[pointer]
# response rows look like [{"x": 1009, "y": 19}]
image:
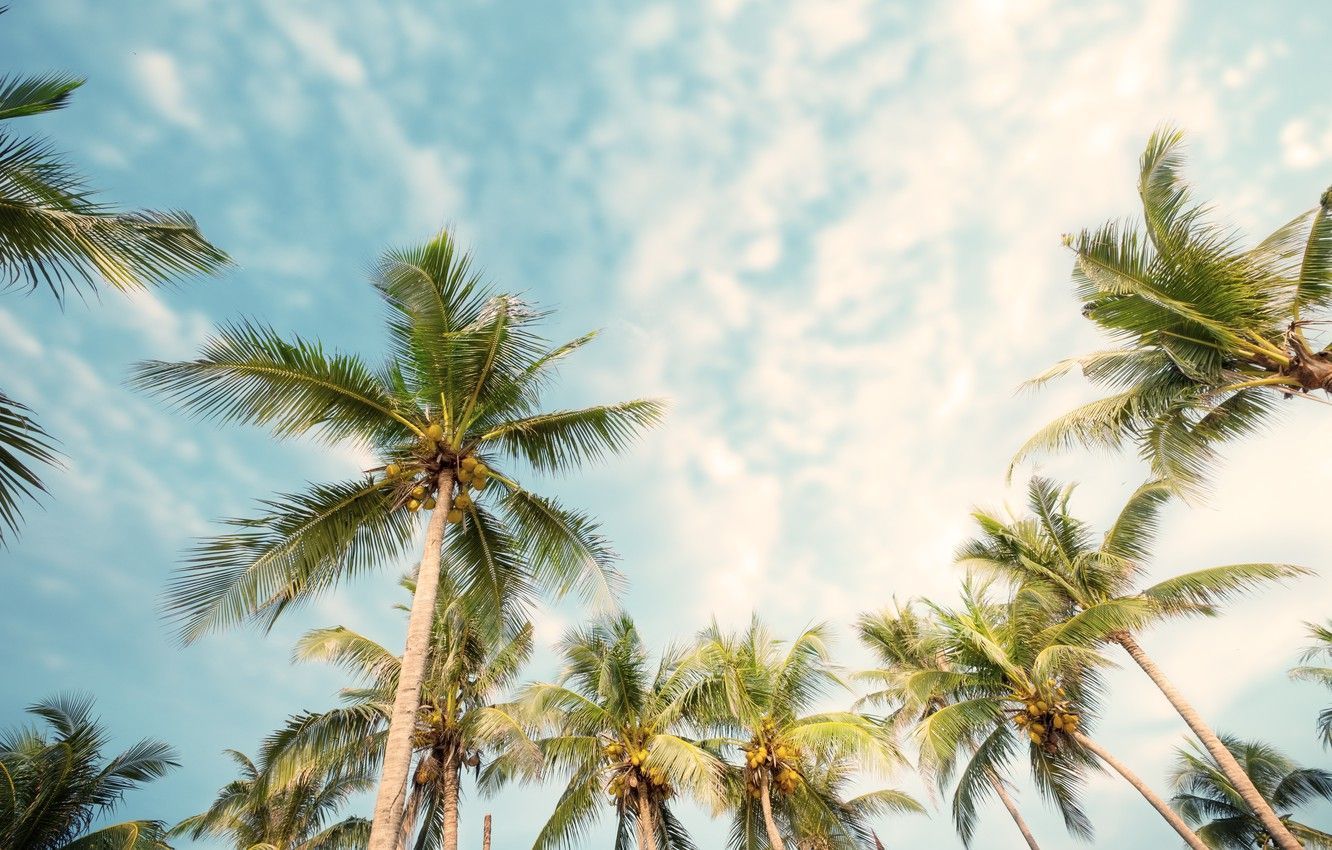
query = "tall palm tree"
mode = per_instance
[
  {"x": 54, "y": 786},
  {"x": 909, "y": 649},
  {"x": 760, "y": 698},
  {"x": 466, "y": 672},
  {"x": 620, "y": 728},
  {"x": 1053, "y": 554},
  {"x": 255, "y": 813},
  {"x": 55, "y": 234},
  {"x": 1210, "y": 334},
  {"x": 1012, "y": 682},
  {"x": 1207, "y": 799},
  {"x": 459, "y": 394},
  {"x": 1320, "y": 650}
]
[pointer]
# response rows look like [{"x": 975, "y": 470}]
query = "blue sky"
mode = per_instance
[{"x": 828, "y": 232}]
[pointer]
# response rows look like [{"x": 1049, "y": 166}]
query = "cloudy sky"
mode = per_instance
[{"x": 828, "y": 232}]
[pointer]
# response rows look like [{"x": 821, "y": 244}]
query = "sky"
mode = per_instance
[{"x": 827, "y": 232}]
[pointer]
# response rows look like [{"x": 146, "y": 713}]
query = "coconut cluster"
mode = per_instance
[
  {"x": 1046, "y": 716},
  {"x": 426, "y": 464},
  {"x": 629, "y": 770},
  {"x": 766, "y": 753}
]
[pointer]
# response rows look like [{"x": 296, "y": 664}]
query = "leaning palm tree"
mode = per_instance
[
  {"x": 459, "y": 395},
  {"x": 620, "y": 728},
  {"x": 466, "y": 672},
  {"x": 760, "y": 700},
  {"x": 255, "y": 813},
  {"x": 910, "y": 651},
  {"x": 1207, "y": 799},
  {"x": 54, "y": 787},
  {"x": 1320, "y": 650},
  {"x": 54, "y": 234},
  {"x": 1052, "y": 554},
  {"x": 1209, "y": 334},
  {"x": 1012, "y": 682}
]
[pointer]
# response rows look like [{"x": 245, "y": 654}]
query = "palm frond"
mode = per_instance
[
  {"x": 22, "y": 96},
  {"x": 23, "y": 443}
]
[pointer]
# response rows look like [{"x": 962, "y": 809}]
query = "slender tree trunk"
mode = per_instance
[
  {"x": 765, "y": 800},
  {"x": 1224, "y": 758},
  {"x": 398, "y": 749},
  {"x": 485, "y": 834},
  {"x": 1009, "y": 803},
  {"x": 452, "y": 771},
  {"x": 1151, "y": 796},
  {"x": 647, "y": 828}
]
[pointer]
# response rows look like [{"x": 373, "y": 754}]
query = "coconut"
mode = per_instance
[
  {"x": 462, "y": 500},
  {"x": 418, "y": 491},
  {"x": 455, "y": 516},
  {"x": 429, "y": 504},
  {"x": 413, "y": 504},
  {"x": 480, "y": 482},
  {"x": 435, "y": 432},
  {"x": 392, "y": 469},
  {"x": 469, "y": 463}
]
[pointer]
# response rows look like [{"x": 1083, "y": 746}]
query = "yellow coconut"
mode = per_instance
[
  {"x": 455, "y": 516},
  {"x": 413, "y": 504},
  {"x": 462, "y": 500},
  {"x": 429, "y": 504},
  {"x": 469, "y": 463},
  {"x": 418, "y": 491},
  {"x": 392, "y": 469},
  {"x": 435, "y": 432}
]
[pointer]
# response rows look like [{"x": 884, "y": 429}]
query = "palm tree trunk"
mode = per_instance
[
  {"x": 765, "y": 800},
  {"x": 1151, "y": 796},
  {"x": 452, "y": 769},
  {"x": 485, "y": 834},
  {"x": 1009, "y": 803},
  {"x": 647, "y": 830},
  {"x": 398, "y": 749},
  {"x": 1224, "y": 759}
]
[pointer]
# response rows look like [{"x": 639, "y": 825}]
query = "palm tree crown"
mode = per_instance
[
  {"x": 55, "y": 787},
  {"x": 54, "y": 234},
  {"x": 467, "y": 670},
  {"x": 1320, "y": 650},
  {"x": 1211, "y": 335},
  {"x": 761, "y": 697},
  {"x": 1208, "y": 800},
  {"x": 255, "y": 812},
  {"x": 460, "y": 392},
  {"x": 619, "y": 727}
]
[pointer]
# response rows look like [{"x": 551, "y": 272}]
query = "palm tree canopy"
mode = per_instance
[
  {"x": 54, "y": 234},
  {"x": 761, "y": 697},
  {"x": 467, "y": 670},
  {"x": 611, "y": 723},
  {"x": 55, "y": 786},
  {"x": 1208, "y": 801},
  {"x": 1319, "y": 651},
  {"x": 1008, "y": 685},
  {"x": 300, "y": 813},
  {"x": 1093, "y": 585},
  {"x": 1209, "y": 335},
  {"x": 464, "y": 381}
]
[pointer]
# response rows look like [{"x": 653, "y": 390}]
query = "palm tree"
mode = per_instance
[
  {"x": 54, "y": 787},
  {"x": 55, "y": 234},
  {"x": 909, "y": 650},
  {"x": 1011, "y": 680},
  {"x": 760, "y": 698},
  {"x": 1094, "y": 584},
  {"x": 466, "y": 671},
  {"x": 1210, "y": 335},
  {"x": 839, "y": 820},
  {"x": 255, "y": 813},
  {"x": 460, "y": 392},
  {"x": 1207, "y": 799},
  {"x": 1321, "y": 650},
  {"x": 620, "y": 729}
]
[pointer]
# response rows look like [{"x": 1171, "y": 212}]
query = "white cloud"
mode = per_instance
[
  {"x": 1302, "y": 147},
  {"x": 319, "y": 45},
  {"x": 159, "y": 78}
]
